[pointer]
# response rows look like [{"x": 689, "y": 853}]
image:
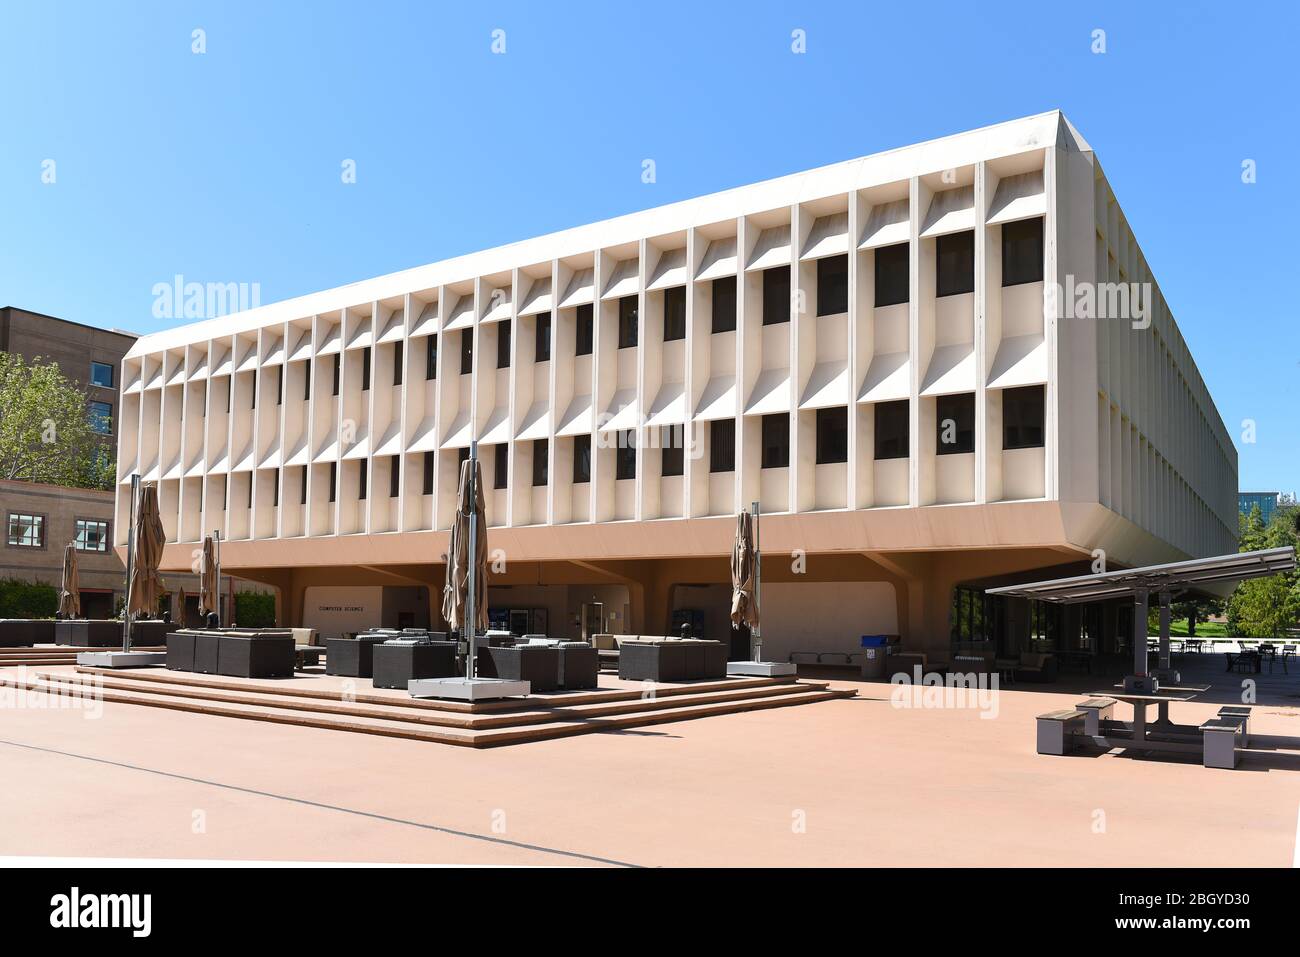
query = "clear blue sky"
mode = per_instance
[{"x": 225, "y": 166}]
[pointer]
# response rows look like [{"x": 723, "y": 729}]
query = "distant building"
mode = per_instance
[
  {"x": 40, "y": 519},
  {"x": 1267, "y": 502}
]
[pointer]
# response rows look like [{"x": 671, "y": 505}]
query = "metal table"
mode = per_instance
[{"x": 1159, "y": 735}]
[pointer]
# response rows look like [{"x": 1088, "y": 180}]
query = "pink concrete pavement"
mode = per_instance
[{"x": 852, "y": 782}]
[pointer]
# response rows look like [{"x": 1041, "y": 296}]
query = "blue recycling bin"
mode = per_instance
[{"x": 874, "y": 649}]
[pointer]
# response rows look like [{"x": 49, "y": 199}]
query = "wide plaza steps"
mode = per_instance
[
  {"x": 515, "y": 721},
  {"x": 51, "y": 655}
]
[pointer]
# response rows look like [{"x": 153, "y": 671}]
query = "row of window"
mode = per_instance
[
  {"x": 1022, "y": 427},
  {"x": 28, "y": 531},
  {"x": 1022, "y": 262}
]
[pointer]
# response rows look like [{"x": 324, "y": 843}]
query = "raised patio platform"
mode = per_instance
[{"x": 335, "y": 704}]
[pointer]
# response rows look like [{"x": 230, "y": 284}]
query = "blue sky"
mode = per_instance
[{"x": 225, "y": 166}]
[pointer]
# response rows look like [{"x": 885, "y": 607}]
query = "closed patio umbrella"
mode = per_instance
[
  {"x": 744, "y": 575},
  {"x": 460, "y": 565},
  {"x": 70, "y": 589},
  {"x": 207, "y": 579},
  {"x": 146, "y": 586}
]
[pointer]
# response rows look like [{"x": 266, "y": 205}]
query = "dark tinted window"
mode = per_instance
[
  {"x": 394, "y": 476},
  {"x": 428, "y": 474},
  {"x": 581, "y": 459},
  {"x": 501, "y": 466},
  {"x": 724, "y": 304},
  {"x": 722, "y": 445},
  {"x": 776, "y": 295},
  {"x": 674, "y": 313},
  {"x": 1022, "y": 418},
  {"x": 338, "y": 363},
  {"x": 955, "y": 264},
  {"x": 543, "y": 344},
  {"x": 673, "y": 445},
  {"x": 466, "y": 351},
  {"x": 627, "y": 319},
  {"x": 776, "y": 440},
  {"x": 541, "y": 461},
  {"x": 1022, "y": 252},
  {"x": 363, "y": 479},
  {"x": 954, "y": 424},
  {"x": 101, "y": 374},
  {"x": 431, "y": 357},
  {"x": 892, "y": 430},
  {"x": 891, "y": 275},
  {"x": 302, "y": 488},
  {"x": 625, "y": 456},
  {"x": 397, "y": 363},
  {"x": 832, "y": 436},
  {"x": 503, "y": 344},
  {"x": 832, "y": 285},
  {"x": 365, "y": 368},
  {"x": 586, "y": 329},
  {"x": 334, "y": 481}
]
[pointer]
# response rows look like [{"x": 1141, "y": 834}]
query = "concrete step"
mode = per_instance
[{"x": 405, "y": 721}]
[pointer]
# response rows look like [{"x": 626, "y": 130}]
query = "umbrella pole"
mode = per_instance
[
  {"x": 216, "y": 560},
  {"x": 756, "y": 633},
  {"x": 472, "y": 564},
  {"x": 130, "y": 563}
]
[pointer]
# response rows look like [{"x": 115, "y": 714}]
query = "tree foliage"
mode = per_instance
[
  {"x": 1265, "y": 607},
  {"x": 45, "y": 429}
]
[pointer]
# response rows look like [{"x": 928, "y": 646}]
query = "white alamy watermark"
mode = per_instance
[
  {"x": 1125, "y": 301},
  {"x": 976, "y": 691},
  {"x": 185, "y": 299},
  {"x": 18, "y": 693},
  {"x": 75, "y": 910}
]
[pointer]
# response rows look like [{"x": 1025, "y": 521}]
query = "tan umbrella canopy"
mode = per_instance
[
  {"x": 207, "y": 579},
  {"x": 454, "y": 592},
  {"x": 744, "y": 602},
  {"x": 145, "y": 586},
  {"x": 70, "y": 590}
]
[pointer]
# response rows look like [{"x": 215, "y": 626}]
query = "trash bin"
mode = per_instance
[{"x": 874, "y": 648}]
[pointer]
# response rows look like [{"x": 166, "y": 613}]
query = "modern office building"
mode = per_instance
[
  {"x": 1266, "y": 501},
  {"x": 871, "y": 350}
]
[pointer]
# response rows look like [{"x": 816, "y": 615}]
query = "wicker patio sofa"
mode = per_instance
[
  {"x": 236, "y": 654},
  {"x": 107, "y": 633},
  {"x": 25, "y": 632},
  {"x": 395, "y": 663},
  {"x": 660, "y": 658}
]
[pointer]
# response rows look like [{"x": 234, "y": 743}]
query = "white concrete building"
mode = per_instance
[{"x": 866, "y": 348}]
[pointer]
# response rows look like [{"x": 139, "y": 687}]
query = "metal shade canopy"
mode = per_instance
[{"x": 1156, "y": 578}]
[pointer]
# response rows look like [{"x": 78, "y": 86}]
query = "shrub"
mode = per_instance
[
  {"x": 20, "y": 599},
  {"x": 254, "y": 609}
]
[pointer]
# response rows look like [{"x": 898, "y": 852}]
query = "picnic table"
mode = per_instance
[{"x": 1139, "y": 732}]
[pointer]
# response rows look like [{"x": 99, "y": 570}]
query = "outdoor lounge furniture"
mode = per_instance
[
  {"x": 307, "y": 651},
  {"x": 1220, "y": 737},
  {"x": 352, "y": 657},
  {"x": 395, "y": 663},
  {"x": 607, "y": 648},
  {"x": 107, "y": 633},
  {"x": 24, "y": 632},
  {"x": 655, "y": 658},
  {"x": 1036, "y": 666},
  {"x": 236, "y": 654},
  {"x": 538, "y": 664}
]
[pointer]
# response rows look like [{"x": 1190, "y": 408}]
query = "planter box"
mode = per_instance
[
  {"x": 25, "y": 632},
  {"x": 180, "y": 651},
  {"x": 395, "y": 665},
  {"x": 539, "y": 665},
  {"x": 351, "y": 657},
  {"x": 672, "y": 660},
  {"x": 256, "y": 656}
]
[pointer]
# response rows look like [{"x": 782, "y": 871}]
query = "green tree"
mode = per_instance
[
  {"x": 45, "y": 430},
  {"x": 1265, "y": 607}
]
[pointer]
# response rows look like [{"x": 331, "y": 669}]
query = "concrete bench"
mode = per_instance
[
  {"x": 1219, "y": 738},
  {"x": 1057, "y": 730},
  {"x": 1242, "y": 711},
  {"x": 1096, "y": 710}
]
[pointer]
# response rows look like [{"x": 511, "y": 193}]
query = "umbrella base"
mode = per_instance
[
  {"x": 121, "y": 659},
  {"x": 761, "y": 669},
  {"x": 467, "y": 689}
]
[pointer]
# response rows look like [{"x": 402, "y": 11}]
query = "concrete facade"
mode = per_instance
[{"x": 846, "y": 345}]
